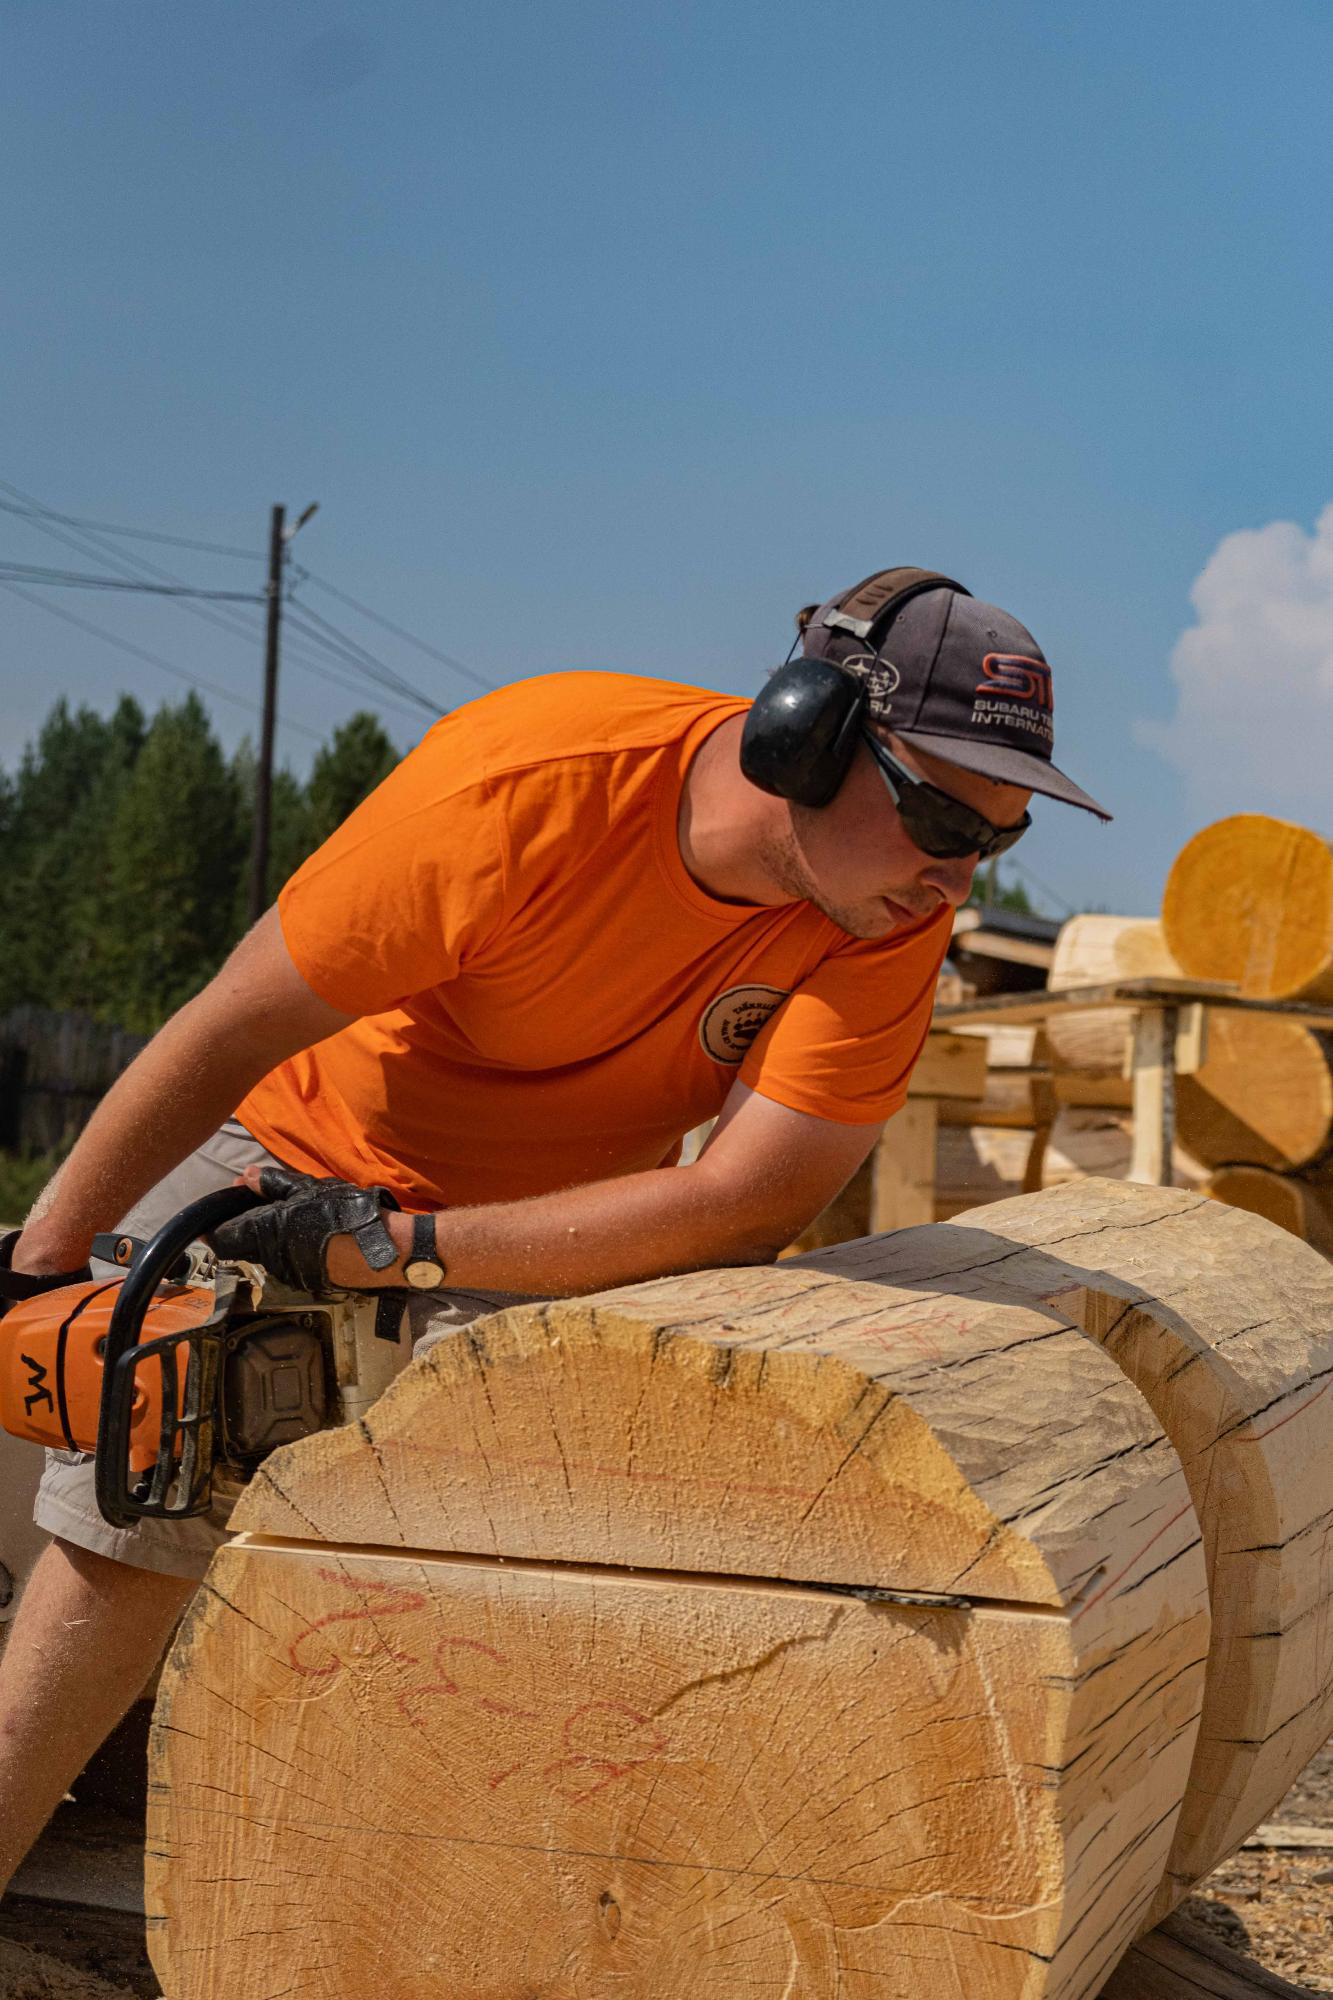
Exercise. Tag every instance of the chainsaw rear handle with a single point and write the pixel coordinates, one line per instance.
(111, 1459)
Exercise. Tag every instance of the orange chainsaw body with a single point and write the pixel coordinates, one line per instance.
(51, 1349)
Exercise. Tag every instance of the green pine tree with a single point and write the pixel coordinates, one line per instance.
(175, 851)
(60, 807)
(346, 771)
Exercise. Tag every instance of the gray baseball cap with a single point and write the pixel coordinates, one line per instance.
(951, 675)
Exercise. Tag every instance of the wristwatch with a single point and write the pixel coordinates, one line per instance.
(423, 1269)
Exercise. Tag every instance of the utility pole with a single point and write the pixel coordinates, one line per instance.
(278, 538)
(264, 770)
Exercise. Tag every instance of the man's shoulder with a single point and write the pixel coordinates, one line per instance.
(584, 713)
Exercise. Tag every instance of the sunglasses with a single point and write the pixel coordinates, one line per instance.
(939, 825)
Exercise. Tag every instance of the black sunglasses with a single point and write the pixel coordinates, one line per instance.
(939, 825)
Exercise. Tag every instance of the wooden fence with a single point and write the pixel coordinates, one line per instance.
(54, 1067)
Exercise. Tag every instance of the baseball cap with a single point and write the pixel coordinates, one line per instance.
(954, 676)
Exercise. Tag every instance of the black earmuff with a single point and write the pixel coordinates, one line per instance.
(803, 726)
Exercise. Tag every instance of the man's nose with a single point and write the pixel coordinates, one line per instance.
(953, 878)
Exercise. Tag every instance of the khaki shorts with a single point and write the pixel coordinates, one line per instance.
(66, 1501)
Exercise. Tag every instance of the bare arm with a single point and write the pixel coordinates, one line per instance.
(765, 1173)
(195, 1071)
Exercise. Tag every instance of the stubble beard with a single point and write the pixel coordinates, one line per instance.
(786, 866)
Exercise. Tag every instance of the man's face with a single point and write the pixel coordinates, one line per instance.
(854, 861)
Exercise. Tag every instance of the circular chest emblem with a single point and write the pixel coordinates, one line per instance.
(730, 1023)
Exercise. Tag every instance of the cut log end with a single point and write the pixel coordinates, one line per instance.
(1250, 900)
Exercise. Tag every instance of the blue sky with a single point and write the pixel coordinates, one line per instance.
(606, 335)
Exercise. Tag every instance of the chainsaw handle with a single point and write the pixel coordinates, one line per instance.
(126, 1325)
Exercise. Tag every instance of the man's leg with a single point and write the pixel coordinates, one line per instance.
(87, 1636)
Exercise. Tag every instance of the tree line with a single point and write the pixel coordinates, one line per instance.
(125, 846)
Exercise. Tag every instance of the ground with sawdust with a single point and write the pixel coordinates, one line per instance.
(1273, 1906)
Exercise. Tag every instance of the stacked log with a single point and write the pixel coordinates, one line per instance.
(1096, 950)
(840, 1626)
(990, 1147)
(1262, 1097)
(1293, 1204)
(1250, 900)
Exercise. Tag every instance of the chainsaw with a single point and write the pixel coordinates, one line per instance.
(185, 1366)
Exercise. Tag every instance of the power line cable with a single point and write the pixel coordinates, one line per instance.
(92, 544)
(322, 633)
(153, 659)
(401, 632)
(76, 580)
(36, 510)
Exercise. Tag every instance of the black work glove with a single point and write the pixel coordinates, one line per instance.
(290, 1237)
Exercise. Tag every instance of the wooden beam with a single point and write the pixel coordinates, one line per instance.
(949, 1066)
(903, 1184)
(1183, 1961)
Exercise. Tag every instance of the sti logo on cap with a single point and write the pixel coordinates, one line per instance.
(1011, 674)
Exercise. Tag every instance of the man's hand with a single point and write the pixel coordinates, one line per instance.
(292, 1237)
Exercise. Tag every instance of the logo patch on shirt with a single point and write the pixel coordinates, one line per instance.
(730, 1023)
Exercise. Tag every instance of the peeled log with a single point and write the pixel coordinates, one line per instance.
(529, 1766)
(1250, 900)
(1226, 1326)
(1096, 1142)
(547, 1678)
(1296, 1206)
(1096, 951)
(1264, 1094)
(977, 1163)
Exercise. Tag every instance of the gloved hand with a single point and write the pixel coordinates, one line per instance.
(291, 1236)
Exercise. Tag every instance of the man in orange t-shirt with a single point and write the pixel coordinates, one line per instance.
(586, 914)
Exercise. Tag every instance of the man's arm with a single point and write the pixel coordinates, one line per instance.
(765, 1173)
(252, 1016)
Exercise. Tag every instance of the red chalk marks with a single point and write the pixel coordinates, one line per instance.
(389, 1600)
(614, 1741)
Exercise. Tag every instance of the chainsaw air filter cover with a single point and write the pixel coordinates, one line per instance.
(275, 1386)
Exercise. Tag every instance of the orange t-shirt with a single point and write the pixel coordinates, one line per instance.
(545, 995)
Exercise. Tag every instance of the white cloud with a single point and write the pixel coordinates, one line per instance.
(1253, 727)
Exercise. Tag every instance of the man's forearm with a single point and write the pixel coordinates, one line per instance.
(607, 1233)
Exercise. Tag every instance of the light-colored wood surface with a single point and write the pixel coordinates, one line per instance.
(1263, 1094)
(744, 1786)
(976, 1163)
(949, 1066)
(443, 1777)
(1250, 899)
(1096, 950)
(1098, 1142)
(1226, 1325)
(1182, 1961)
(1022, 1099)
(902, 1188)
(1302, 1208)
(1039, 1009)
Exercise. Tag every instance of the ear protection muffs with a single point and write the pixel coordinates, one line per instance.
(804, 725)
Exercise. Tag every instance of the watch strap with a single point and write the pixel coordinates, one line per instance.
(423, 1252)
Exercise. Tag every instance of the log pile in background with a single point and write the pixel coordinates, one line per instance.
(925, 1616)
(1250, 900)
(991, 1146)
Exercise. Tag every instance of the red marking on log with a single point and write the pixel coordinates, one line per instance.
(1291, 1415)
(1133, 1563)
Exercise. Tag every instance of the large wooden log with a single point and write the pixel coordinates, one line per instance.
(1226, 1325)
(1302, 1208)
(569, 1670)
(1250, 900)
(1263, 1094)
(1087, 1142)
(1183, 1961)
(1095, 950)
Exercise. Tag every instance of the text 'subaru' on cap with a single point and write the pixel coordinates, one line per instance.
(961, 679)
